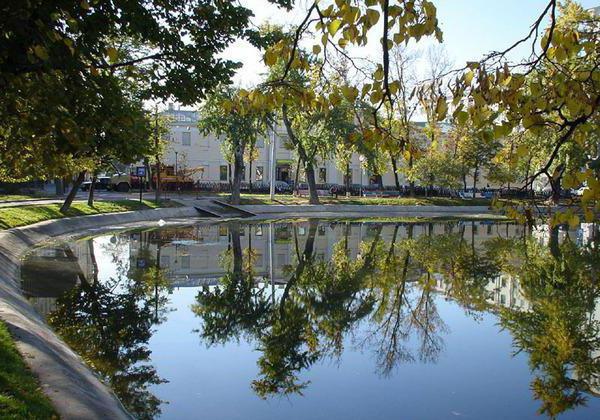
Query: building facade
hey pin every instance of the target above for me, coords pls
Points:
(202, 156)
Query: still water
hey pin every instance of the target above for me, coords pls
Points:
(332, 320)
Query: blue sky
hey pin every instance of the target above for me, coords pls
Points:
(471, 28)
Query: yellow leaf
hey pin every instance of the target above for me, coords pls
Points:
(441, 108)
(350, 93)
(468, 77)
(316, 49)
(372, 16)
(40, 52)
(333, 26)
(112, 54)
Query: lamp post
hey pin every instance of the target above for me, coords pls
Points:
(176, 176)
(361, 159)
(272, 168)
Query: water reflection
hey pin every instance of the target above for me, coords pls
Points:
(304, 292)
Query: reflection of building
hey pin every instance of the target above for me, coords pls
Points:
(51, 272)
(193, 255)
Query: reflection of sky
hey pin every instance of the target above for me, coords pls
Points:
(475, 376)
(105, 248)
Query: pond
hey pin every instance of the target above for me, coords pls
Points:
(326, 319)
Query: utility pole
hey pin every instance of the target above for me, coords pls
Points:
(156, 148)
(272, 169)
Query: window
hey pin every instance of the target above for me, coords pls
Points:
(223, 172)
(186, 138)
(185, 261)
(322, 175)
(260, 143)
(243, 173)
(259, 173)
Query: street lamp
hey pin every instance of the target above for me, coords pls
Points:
(176, 176)
(361, 159)
(272, 168)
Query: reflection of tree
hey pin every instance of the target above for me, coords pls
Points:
(465, 271)
(236, 306)
(559, 333)
(109, 324)
(405, 308)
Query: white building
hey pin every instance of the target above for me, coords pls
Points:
(190, 149)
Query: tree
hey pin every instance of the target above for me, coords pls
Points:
(398, 120)
(555, 89)
(227, 113)
(435, 168)
(475, 151)
(111, 126)
(55, 54)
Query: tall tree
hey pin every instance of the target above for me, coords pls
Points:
(228, 114)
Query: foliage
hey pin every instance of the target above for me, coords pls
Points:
(226, 114)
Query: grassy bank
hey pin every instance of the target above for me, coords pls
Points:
(26, 215)
(396, 201)
(20, 393)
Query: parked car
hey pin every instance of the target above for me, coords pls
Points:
(102, 183)
(282, 187)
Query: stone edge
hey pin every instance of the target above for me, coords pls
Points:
(74, 390)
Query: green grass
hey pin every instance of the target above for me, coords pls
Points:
(20, 393)
(25, 215)
(21, 197)
(398, 201)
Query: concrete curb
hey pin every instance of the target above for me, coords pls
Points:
(75, 391)
(364, 209)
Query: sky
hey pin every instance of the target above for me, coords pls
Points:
(472, 28)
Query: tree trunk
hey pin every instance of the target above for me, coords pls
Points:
(71, 196)
(395, 169)
(91, 192)
(250, 173)
(149, 172)
(475, 178)
(309, 170)
(238, 166)
(348, 180)
(412, 183)
(297, 175)
(158, 184)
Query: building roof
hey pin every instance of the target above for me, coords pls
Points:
(179, 115)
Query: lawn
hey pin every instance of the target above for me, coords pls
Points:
(397, 201)
(21, 197)
(26, 215)
(20, 393)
